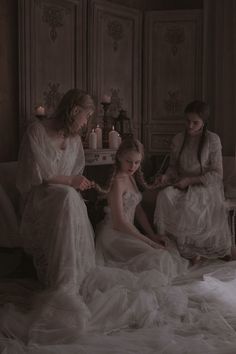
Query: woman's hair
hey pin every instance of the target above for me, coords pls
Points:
(202, 110)
(71, 99)
(127, 145)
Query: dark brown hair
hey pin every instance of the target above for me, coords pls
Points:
(202, 110)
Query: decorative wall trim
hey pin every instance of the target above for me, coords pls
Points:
(116, 32)
(115, 35)
(52, 96)
(47, 70)
(54, 17)
(175, 36)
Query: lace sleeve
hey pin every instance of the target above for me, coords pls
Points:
(80, 159)
(28, 173)
(214, 171)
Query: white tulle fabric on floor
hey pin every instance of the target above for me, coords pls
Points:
(195, 314)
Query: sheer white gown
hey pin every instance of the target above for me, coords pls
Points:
(55, 229)
(131, 302)
(196, 217)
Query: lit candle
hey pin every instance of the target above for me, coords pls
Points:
(113, 139)
(98, 131)
(119, 139)
(106, 99)
(40, 111)
(93, 140)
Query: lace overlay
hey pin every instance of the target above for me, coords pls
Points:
(55, 227)
(196, 217)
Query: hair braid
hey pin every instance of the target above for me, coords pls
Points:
(140, 179)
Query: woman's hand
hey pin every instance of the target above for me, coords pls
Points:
(183, 183)
(155, 242)
(162, 180)
(160, 239)
(81, 183)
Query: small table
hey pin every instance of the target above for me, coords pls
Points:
(99, 157)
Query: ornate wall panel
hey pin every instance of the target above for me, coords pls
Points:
(52, 52)
(172, 73)
(115, 57)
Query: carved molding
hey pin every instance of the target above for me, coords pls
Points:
(116, 32)
(46, 70)
(173, 103)
(52, 96)
(115, 54)
(174, 36)
(53, 16)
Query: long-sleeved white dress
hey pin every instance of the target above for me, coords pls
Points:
(196, 217)
(55, 227)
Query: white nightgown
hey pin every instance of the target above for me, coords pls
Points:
(195, 217)
(55, 227)
(56, 232)
(125, 251)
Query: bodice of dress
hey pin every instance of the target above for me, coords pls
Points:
(130, 200)
(188, 164)
(40, 159)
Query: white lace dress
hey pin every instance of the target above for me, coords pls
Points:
(56, 232)
(55, 227)
(196, 217)
(125, 251)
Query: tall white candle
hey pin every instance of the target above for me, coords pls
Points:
(113, 139)
(93, 140)
(98, 131)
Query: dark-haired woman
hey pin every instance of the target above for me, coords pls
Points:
(191, 209)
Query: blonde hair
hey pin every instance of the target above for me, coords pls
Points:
(128, 144)
(71, 99)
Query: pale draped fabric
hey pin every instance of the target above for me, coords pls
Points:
(126, 251)
(195, 217)
(55, 227)
(56, 231)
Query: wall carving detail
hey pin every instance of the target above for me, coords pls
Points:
(173, 104)
(54, 17)
(175, 36)
(52, 96)
(116, 32)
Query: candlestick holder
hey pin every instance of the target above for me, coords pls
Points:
(106, 128)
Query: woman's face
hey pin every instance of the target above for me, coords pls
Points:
(194, 124)
(130, 162)
(81, 117)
